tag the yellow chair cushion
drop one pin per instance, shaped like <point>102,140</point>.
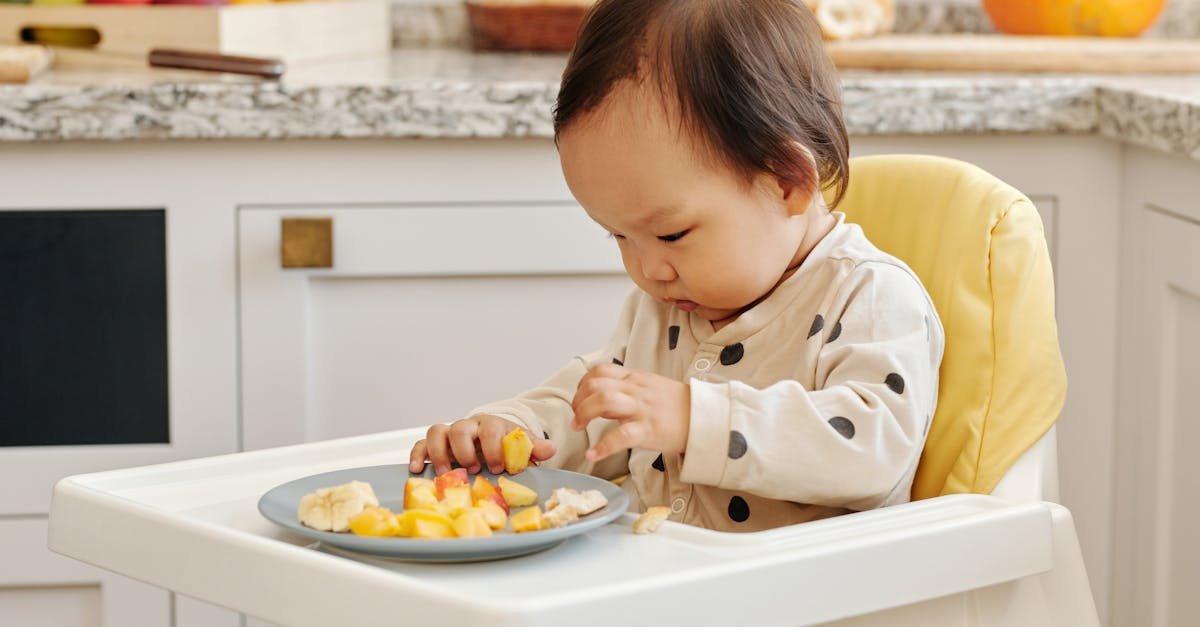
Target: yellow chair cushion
<point>978,246</point>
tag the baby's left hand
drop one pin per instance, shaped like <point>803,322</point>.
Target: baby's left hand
<point>654,411</point>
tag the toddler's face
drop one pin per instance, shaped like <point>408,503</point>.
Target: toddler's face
<point>691,233</point>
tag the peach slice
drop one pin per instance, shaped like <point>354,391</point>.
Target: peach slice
<point>484,489</point>
<point>427,524</point>
<point>515,494</point>
<point>517,448</point>
<point>527,520</point>
<point>412,484</point>
<point>470,524</point>
<point>493,515</point>
<point>421,497</point>
<point>374,521</point>
<point>457,499</point>
<point>450,479</point>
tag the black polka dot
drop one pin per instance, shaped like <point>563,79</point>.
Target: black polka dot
<point>895,382</point>
<point>737,444</point>
<point>817,325</point>
<point>732,354</point>
<point>739,509</point>
<point>837,331</point>
<point>658,464</point>
<point>545,436</point>
<point>842,426</point>
<point>618,362</point>
<point>672,336</point>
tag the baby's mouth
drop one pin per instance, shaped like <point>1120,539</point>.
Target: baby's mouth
<point>685,305</point>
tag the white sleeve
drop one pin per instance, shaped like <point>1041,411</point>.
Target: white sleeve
<point>545,411</point>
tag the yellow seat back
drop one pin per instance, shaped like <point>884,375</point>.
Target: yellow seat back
<point>978,246</point>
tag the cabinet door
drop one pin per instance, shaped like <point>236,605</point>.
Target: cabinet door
<point>425,312</point>
<point>1158,551</point>
<point>98,353</point>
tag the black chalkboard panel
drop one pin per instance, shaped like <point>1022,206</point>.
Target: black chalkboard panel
<point>83,327</point>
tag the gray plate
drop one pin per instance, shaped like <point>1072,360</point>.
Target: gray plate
<point>280,504</point>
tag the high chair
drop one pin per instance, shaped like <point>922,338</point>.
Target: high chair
<point>978,246</point>
<point>982,545</point>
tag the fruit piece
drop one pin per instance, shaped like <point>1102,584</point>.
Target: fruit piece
<point>559,516</point>
<point>431,530</point>
<point>412,484</point>
<point>406,520</point>
<point>427,524</point>
<point>484,489</point>
<point>515,494</point>
<point>1104,18</point>
<point>421,497</point>
<point>493,515</point>
<point>471,524</point>
<point>330,509</point>
<point>583,503</point>
<point>450,479</point>
<point>527,520</point>
<point>457,499</point>
<point>517,449</point>
<point>649,521</point>
<point>374,521</point>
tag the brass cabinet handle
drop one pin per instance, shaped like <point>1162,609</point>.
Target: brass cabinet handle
<point>306,243</point>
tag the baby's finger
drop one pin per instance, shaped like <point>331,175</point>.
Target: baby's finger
<point>611,404</point>
<point>490,434</point>
<point>437,448</point>
<point>589,391</point>
<point>543,449</point>
<point>416,457</point>
<point>462,444</point>
<point>603,371</point>
<point>629,435</point>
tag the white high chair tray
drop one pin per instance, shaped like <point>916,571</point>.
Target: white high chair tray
<point>193,527</point>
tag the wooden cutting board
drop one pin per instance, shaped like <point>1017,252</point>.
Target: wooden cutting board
<point>1009,53</point>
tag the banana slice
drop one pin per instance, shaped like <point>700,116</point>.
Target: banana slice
<point>649,522</point>
<point>853,19</point>
<point>330,509</point>
<point>583,503</point>
<point>559,516</point>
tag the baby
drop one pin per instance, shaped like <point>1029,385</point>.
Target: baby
<point>772,366</point>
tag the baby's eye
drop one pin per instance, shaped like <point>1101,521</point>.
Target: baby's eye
<point>674,236</point>
<point>615,236</point>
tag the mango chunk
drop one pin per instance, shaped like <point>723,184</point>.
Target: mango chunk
<point>517,448</point>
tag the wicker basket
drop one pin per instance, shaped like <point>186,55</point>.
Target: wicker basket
<point>545,27</point>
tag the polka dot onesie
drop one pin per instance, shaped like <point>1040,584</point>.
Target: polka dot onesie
<point>813,403</point>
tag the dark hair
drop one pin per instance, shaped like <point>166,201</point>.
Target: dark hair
<point>751,80</point>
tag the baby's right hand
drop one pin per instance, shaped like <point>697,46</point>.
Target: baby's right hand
<point>464,440</point>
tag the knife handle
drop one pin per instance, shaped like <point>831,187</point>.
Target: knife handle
<point>190,60</point>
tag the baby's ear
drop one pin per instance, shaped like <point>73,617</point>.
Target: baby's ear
<point>799,185</point>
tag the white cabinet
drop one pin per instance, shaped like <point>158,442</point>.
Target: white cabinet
<point>1157,549</point>
<point>426,312</point>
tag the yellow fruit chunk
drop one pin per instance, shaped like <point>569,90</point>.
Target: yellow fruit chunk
<point>374,521</point>
<point>421,497</point>
<point>427,524</point>
<point>429,530</point>
<point>456,500</point>
<point>412,484</point>
<point>517,449</point>
<point>527,520</point>
<point>515,494</point>
<point>470,524</point>
<point>492,513</point>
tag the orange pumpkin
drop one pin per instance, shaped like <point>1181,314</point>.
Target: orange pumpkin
<point>1091,18</point>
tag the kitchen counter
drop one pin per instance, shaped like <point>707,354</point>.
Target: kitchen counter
<point>455,93</point>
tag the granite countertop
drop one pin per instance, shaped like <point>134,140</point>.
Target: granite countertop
<point>457,93</point>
